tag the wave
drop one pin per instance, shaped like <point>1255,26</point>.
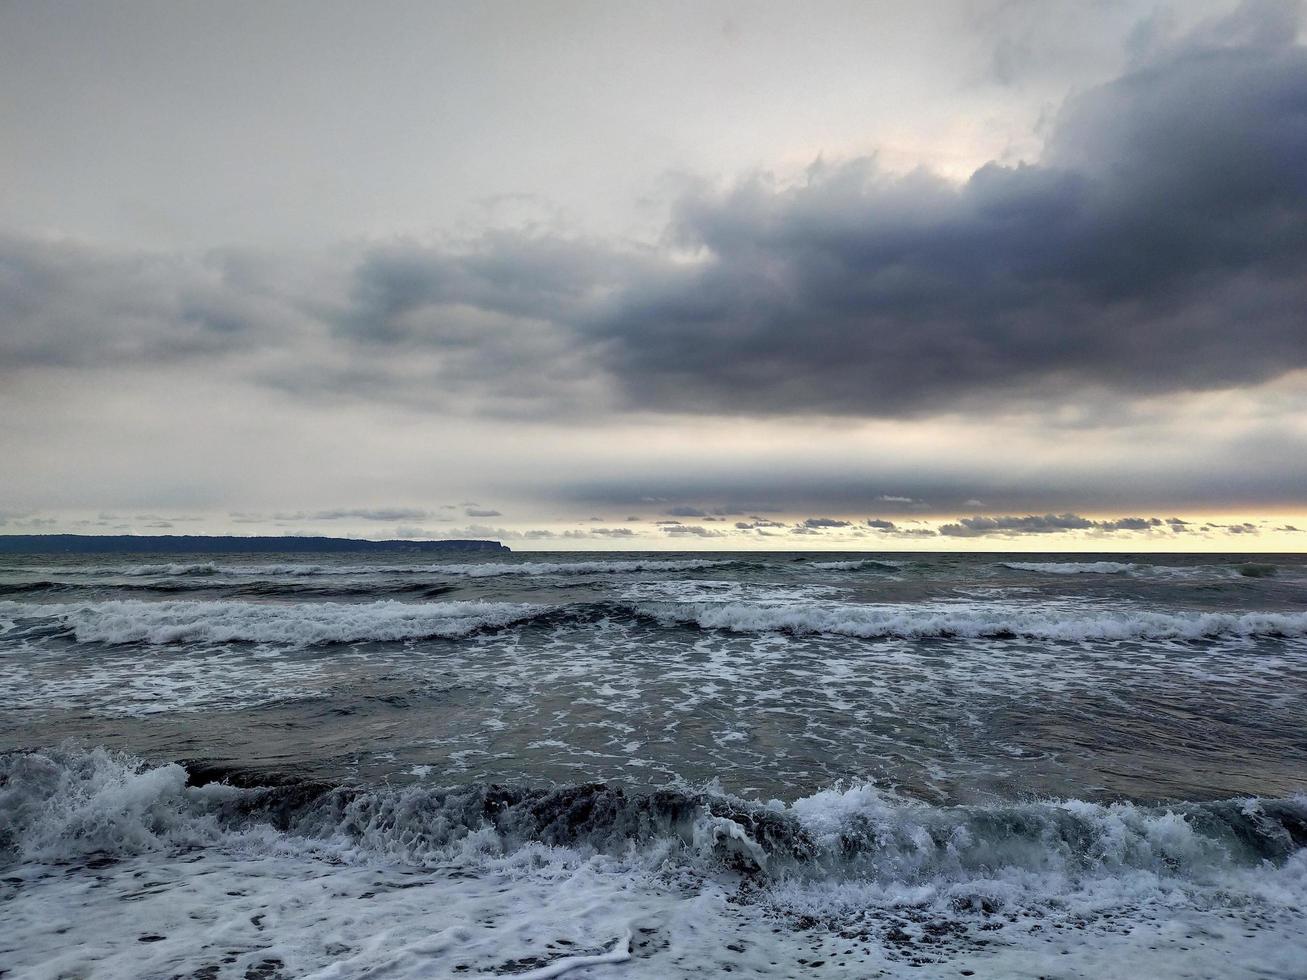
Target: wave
<point>255,588</point>
<point>41,585</point>
<point>620,567</point>
<point>483,569</point>
<point>174,568</point>
<point>293,624</point>
<point>69,804</point>
<point>1146,571</point>
<point>1071,567</point>
<point>305,624</point>
<point>947,620</point>
<point>519,881</point>
<point>1256,570</point>
<point>855,565</point>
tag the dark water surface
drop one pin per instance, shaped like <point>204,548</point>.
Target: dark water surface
<point>884,764</point>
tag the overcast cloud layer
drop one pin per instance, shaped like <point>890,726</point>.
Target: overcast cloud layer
<point>1129,294</point>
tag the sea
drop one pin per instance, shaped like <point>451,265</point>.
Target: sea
<point>653,765</point>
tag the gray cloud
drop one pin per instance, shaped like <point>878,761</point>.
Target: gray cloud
<point>591,534</point>
<point>972,527</point>
<point>685,512</point>
<point>821,522</point>
<point>1168,205</point>
<point>1157,244</point>
<point>70,305</point>
<point>880,525</point>
<point>706,513</point>
<point>1162,470</point>
<point>1245,527</point>
<point>372,514</point>
<point>334,514</point>
<point>409,531</point>
<point>969,527</point>
<point>691,531</point>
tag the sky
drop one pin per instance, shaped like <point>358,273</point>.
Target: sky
<point>992,274</point>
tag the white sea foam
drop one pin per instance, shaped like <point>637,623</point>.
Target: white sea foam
<point>311,623</point>
<point>719,590</point>
<point>291,624</point>
<point>943,619</point>
<point>411,884</point>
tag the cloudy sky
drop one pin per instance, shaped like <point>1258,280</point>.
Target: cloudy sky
<point>1000,274</point>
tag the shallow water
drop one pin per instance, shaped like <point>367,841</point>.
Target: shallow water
<point>653,765</point>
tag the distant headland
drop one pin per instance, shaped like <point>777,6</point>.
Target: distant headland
<point>173,544</point>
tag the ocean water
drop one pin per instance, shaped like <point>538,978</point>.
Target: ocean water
<point>653,766</point>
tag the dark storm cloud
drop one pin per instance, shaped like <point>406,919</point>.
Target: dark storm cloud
<point>1160,245</point>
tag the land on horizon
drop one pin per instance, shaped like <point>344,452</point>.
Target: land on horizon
<point>222,544</point>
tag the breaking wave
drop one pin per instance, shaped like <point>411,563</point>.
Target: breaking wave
<point>304,624</point>
<point>69,804</point>
<point>945,620</point>
<point>295,624</point>
<point>1146,571</point>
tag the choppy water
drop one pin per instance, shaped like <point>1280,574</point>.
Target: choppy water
<point>654,766</point>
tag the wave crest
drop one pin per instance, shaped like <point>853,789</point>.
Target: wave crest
<point>68,804</point>
<point>946,621</point>
<point>291,624</point>
<point>304,624</point>
<point>1072,567</point>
